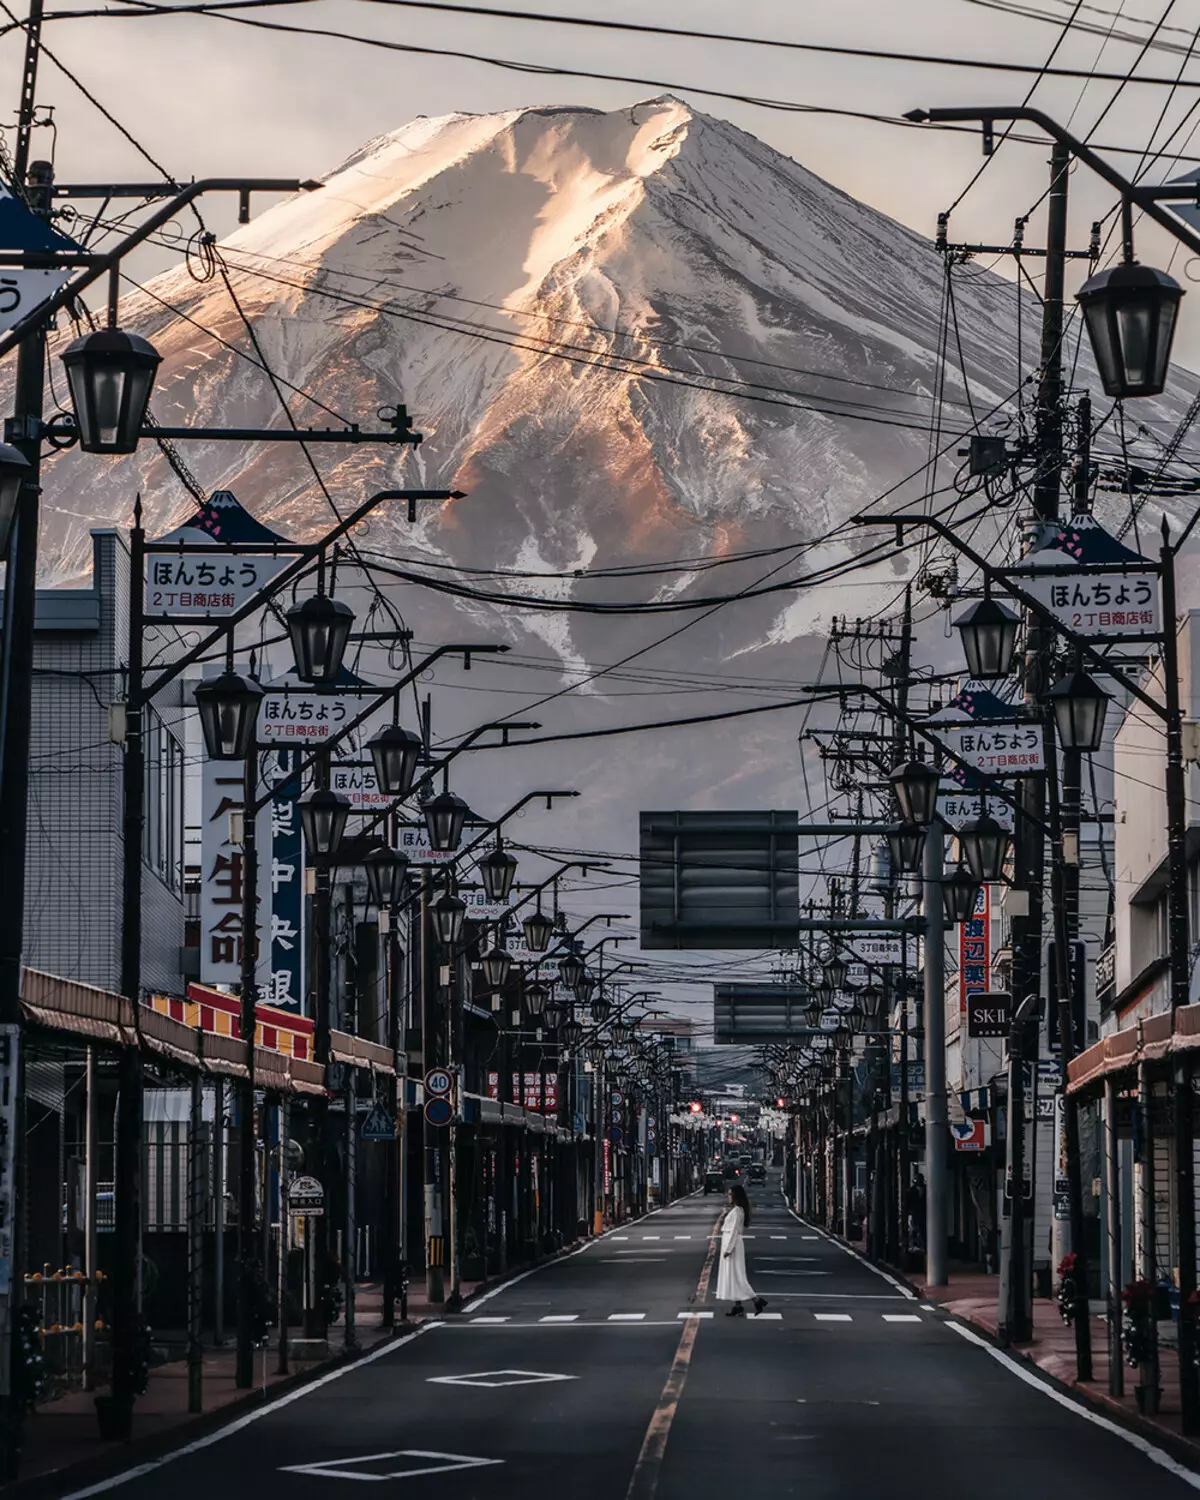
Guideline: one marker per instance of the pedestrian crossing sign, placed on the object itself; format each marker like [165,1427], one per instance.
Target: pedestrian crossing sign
[378,1125]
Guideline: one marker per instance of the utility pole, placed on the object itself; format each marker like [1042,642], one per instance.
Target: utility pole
[248,1266]
[16,691]
[1029,842]
[937,1128]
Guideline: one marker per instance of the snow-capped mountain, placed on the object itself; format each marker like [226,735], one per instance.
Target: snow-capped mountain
[630,337]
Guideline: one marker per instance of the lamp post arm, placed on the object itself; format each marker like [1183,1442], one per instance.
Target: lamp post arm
[281,581]
[499,822]
[1035,606]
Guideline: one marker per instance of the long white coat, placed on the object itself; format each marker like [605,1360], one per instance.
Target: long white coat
[732,1285]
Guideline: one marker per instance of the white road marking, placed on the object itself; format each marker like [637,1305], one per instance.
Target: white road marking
[793,1273]
[810,1236]
[491,1320]
[779,1236]
[652,1236]
[900,1318]
[694,1315]
[758,1317]
[1155,1455]
[617,1237]
[683,1236]
[626,1317]
[560,1318]
[336,1468]
[929,1307]
[494,1380]
[891,1280]
[833,1317]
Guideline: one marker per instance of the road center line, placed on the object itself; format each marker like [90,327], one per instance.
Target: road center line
[643,1483]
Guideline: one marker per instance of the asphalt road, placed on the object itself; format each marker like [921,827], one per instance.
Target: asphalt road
[610,1374]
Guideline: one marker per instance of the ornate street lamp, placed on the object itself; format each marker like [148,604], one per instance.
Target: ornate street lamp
[320,630]
[906,844]
[812,1012]
[444,817]
[323,817]
[988,630]
[536,996]
[538,929]
[915,784]
[1130,312]
[984,845]
[835,972]
[228,707]
[1079,704]
[449,917]
[396,753]
[824,991]
[960,892]
[571,970]
[571,1033]
[497,966]
[14,468]
[601,1005]
[387,871]
[498,870]
[870,997]
[584,988]
[110,374]
[858,1021]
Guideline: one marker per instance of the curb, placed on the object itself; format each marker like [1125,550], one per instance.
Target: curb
[1182,1449]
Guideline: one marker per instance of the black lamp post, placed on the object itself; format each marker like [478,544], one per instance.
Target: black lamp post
[387,871]
[960,892]
[110,374]
[323,815]
[228,707]
[915,784]
[396,753]
[444,816]
[498,870]
[906,844]
[449,916]
[538,929]
[14,467]
[984,845]
[497,966]
[988,630]
[1130,312]
[1079,705]
[320,629]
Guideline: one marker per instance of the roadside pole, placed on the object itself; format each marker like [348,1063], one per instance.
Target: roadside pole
[937,1126]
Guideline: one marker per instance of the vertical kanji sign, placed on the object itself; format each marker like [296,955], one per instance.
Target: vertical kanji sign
[975,951]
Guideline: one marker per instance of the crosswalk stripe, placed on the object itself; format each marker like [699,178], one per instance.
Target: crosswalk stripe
[489,1320]
[694,1315]
[683,1236]
[779,1236]
[833,1317]
[758,1317]
[626,1317]
[616,1237]
[652,1236]
[900,1318]
[560,1318]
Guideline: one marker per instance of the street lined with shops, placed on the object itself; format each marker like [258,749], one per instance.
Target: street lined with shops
[572,1375]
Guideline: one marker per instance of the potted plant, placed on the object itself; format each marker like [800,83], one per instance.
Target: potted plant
[1066,1287]
[1140,1300]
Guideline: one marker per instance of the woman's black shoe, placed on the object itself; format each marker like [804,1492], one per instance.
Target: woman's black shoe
[759,1304]
[736,1311]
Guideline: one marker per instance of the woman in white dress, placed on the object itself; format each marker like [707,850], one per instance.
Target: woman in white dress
[732,1285]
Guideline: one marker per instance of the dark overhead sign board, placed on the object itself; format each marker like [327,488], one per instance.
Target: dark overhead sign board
[758,1014]
[719,880]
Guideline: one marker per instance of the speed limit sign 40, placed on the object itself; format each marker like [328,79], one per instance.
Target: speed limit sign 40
[438,1083]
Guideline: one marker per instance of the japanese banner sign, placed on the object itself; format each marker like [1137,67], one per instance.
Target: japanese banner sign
[204,576]
[980,729]
[23,288]
[359,784]
[869,949]
[296,717]
[414,841]
[530,1095]
[480,909]
[1121,600]
[975,951]
[280,894]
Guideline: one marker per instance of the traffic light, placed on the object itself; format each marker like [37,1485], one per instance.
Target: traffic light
[781,1103]
[696,1107]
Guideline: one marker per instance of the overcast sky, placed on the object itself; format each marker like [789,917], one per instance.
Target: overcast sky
[205,95]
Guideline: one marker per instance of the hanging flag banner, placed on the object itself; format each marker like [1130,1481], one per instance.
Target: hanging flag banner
[1091,582]
[203,576]
[23,289]
[975,951]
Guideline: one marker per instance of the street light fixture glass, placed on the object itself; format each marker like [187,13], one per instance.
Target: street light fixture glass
[498,870]
[1130,312]
[988,630]
[497,966]
[14,468]
[320,629]
[539,929]
[396,753]
[984,845]
[906,843]
[915,784]
[444,817]
[323,816]
[584,988]
[812,1012]
[110,374]
[960,892]
[571,970]
[601,1006]
[536,995]
[449,917]
[228,707]
[1079,704]
[571,1033]
[835,972]
[387,871]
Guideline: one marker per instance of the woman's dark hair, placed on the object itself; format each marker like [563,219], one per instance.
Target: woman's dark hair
[738,1193]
